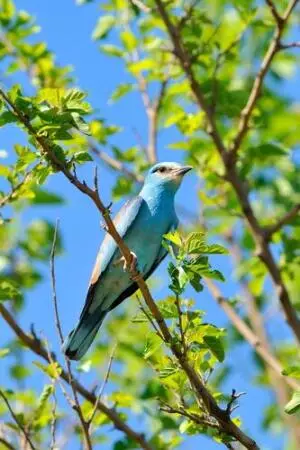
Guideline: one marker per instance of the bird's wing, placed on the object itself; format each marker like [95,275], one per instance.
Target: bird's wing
[123,221]
[162,253]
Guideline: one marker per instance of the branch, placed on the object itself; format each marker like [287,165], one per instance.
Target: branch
[180,324]
[89,422]
[280,384]
[53,445]
[274,47]
[194,417]
[76,407]
[153,113]
[249,335]
[285,220]
[231,173]
[39,349]
[186,65]
[148,315]
[152,109]
[203,395]
[295,44]
[19,424]
[7,198]
[231,406]
[274,12]
[7,444]
[115,164]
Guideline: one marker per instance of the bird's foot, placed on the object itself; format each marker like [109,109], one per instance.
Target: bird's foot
[131,267]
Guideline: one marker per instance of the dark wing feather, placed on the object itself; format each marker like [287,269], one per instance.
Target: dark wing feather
[134,287]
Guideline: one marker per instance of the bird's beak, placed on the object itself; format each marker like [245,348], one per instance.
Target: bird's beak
[183,170]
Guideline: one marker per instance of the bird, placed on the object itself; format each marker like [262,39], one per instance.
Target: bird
[141,222]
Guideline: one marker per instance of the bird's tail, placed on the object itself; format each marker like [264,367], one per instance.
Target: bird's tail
[80,339]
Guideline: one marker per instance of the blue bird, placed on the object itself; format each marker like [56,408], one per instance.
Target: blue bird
[141,222]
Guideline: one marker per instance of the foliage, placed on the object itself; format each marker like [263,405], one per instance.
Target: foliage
[194,84]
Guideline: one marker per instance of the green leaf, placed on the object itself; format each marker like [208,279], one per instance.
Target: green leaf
[9,291]
[168,308]
[81,157]
[111,50]
[122,187]
[8,10]
[19,372]
[179,278]
[129,40]
[197,247]
[137,67]
[53,370]
[174,237]
[43,399]
[265,151]
[73,101]
[4,352]
[80,124]
[216,347]
[43,197]
[153,343]
[120,91]
[293,371]
[103,27]
[294,404]
[53,96]
[7,117]
[167,372]
[84,366]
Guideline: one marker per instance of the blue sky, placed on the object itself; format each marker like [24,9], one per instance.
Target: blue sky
[67,30]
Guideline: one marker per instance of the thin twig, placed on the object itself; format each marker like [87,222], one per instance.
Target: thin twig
[196,418]
[114,163]
[179,311]
[54,295]
[295,44]
[54,420]
[19,424]
[274,12]
[7,198]
[7,444]
[231,404]
[144,310]
[101,390]
[285,220]
[76,407]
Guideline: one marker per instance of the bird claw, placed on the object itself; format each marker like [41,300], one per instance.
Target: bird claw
[128,268]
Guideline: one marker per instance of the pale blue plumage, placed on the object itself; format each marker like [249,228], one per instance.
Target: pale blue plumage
[141,222]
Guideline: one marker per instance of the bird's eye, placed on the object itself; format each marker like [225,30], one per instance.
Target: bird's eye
[162,169]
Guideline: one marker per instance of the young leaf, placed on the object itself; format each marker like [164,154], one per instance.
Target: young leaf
[103,27]
[293,371]
[174,237]
[294,404]
[216,347]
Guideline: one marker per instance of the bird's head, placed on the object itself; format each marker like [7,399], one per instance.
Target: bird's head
[166,175]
